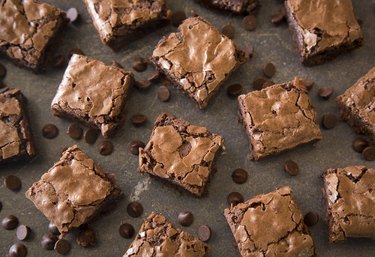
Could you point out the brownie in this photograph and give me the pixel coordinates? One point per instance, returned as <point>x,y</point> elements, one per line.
<point>278,118</point>
<point>73,191</point>
<point>26,30</point>
<point>93,93</point>
<point>158,237</point>
<point>180,153</point>
<point>197,59</point>
<point>235,6</point>
<point>121,21</point>
<point>323,29</point>
<point>357,105</point>
<point>270,225</point>
<point>350,195</point>
<point>16,140</point>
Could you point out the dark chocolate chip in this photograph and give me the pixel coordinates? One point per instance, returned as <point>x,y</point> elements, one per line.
<point>1,205</point>
<point>291,168</point>
<point>59,61</point>
<point>235,198</point>
<point>116,64</point>
<point>185,218</point>
<point>177,18</point>
<point>2,84</point>
<point>325,92</point>
<point>204,233</point>
<point>249,52</point>
<point>91,135</point>
<point>105,147</point>
<point>184,149</point>
<point>72,14</point>
<point>142,84</point>
<point>229,30</point>
<point>258,83</point>
<point>268,83</point>
<point>269,70</point>
<point>53,229</point>
<point>62,246</point>
<point>50,131</point>
<point>75,51</point>
<point>75,131</point>
<point>329,121</point>
<point>154,77</point>
<point>10,222</point>
<point>311,219</point>
<point>135,145</point>
<point>359,144</point>
<point>279,17</point>
<point>138,119</point>
<point>18,250</point>
<point>126,230</point>
<point>249,22</point>
<point>235,90</point>
<point>163,94</point>
<point>239,176</point>
<point>86,238</point>
<point>308,84</point>
<point>134,209</point>
<point>3,71</point>
<point>139,64</point>
<point>13,183</point>
<point>48,241</point>
<point>369,153</point>
<point>23,232</point>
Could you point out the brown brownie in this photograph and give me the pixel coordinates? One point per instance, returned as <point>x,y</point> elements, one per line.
<point>270,225</point>
<point>73,191</point>
<point>27,29</point>
<point>16,140</point>
<point>158,237</point>
<point>357,105</point>
<point>278,118</point>
<point>93,93</point>
<point>121,21</point>
<point>323,29</point>
<point>180,153</point>
<point>350,195</point>
<point>197,59</point>
<point>235,6</point>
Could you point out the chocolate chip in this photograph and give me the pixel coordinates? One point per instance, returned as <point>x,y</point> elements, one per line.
<point>235,198</point>
<point>329,121</point>
<point>50,131</point>
<point>163,94</point>
<point>10,222</point>
<point>311,219</point>
<point>204,233</point>
<point>18,250</point>
<point>258,83</point>
<point>177,18</point>
<point>134,209</point>
<point>91,135</point>
<point>229,30</point>
<point>105,147</point>
<point>249,22</point>
<point>75,131</point>
<point>53,229</point>
<point>2,84</point>
<point>23,232</point>
<point>1,205</point>
<point>86,238</point>
<point>268,83</point>
<point>139,64</point>
<point>369,153</point>
<point>249,52</point>
<point>62,246</point>
<point>184,149</point>
<point>291,168</point>
<point>3,71</point>
<point>138,119</point>
<point>239,176</point>
<point>13,183</point>
<point>135,145</point>
<point>59,61</point>
<point>48,241</point>
<point>359,144</point>
<point>235,90</point>
<point>116,64</point>
<point>72,14</point>
<point>154,77</point>
<point>126,230</point>
<point>75,51</point>
<point>142,84</point>
<point>325,92</point>
<point>279,16</point>
<point>185,218</point>
<point>269,70</point>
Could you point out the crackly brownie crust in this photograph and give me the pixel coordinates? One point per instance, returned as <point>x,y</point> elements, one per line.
<point>278,118</point>
<point>357,105</point>
<point>270,225</point>
<point>27,29</point>
<point>93,93</point>
<point>180,153</point>
<point>350,195</point>
<point>321,39</point>
<point>119,22</point>
<point>235,6</point>
<point>73,191</point>
<point>16,140</point>
<point>197,59</point>
<point>158,237</point>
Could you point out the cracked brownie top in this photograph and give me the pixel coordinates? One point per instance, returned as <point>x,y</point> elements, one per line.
<point>236,6</point>
<point>350,194</point>
<point>270,225</point>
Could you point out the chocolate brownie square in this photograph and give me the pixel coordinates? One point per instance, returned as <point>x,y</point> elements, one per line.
<point>357,105</point>
<point>93,93</point>
<point>158,237</point>
<point>278,118</point>
<point>27,29</point>
<point>350,195</point>
<point>323,29</point>
<point>235,6</point>
<point>197,59</point>
<point>180,153</point>
<point>270,225</point>
<point>16,140</point>
<point>73,191</point>
<point>121,21</point>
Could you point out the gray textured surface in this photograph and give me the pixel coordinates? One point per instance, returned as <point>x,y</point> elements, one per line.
<point>272,44</point>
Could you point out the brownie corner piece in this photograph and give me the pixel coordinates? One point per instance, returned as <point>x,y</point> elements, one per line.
<point>321,39</point>
<point>197,59</point>
<point>357,105</point>
<point>278,118</point>
<point>16,139</point>
<point>350,197</point>
<point>234,6</point>
<point>277,211</point>
<point>180,153</point>
<point>73,191</point>
<point>158,237</point>
<point>93,93</point>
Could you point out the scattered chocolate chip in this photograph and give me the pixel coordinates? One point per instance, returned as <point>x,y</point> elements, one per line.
<point>239,176</point>
<point>258,83</point>
<point>135,145</point>
<point>229,30</point>
<point>311,219</point>
<point>126,230</point>
<point>325,92</point>
<point>154,77</point>
<point>359,144</point>
<point>75,51</point>
<point>58,61</point>
<point>204,233</point>
<point>2,84</point>
<point>116,64</point>
<point>268,83</point>
<point>291,168</point>
<point>3,71</point>
<point>23,232</point>
<point>91,135</point>
<point>134,209</point>
<point>75,131</point>
<point>18,250</point>
<point>163,94</point>
<point>193,13</point>
<point>50,131</point>
<point>10,222</point>
<point>235,198</point>
<point>142,84</point>
<point>53,229</point>
<point>138,119</point>
<point>177,18</point>
<point>86,238</point>
<point>1,205</point>
<point>72,14</point>
<point>139,64</point>
<point>185,218</point>
<point>13,183</point>
<point>105,147</point>
<point>48,241</point>
<point>249,52</point>
<point>369,153</point>
<point>279,16</point>
<point>252,7</point>
<point>235,90</point>
<point>308,83</point>
<point>269,70</point>
<point>249,22</point>
<point>329,121</point>
<point>62,246</point>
